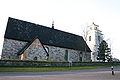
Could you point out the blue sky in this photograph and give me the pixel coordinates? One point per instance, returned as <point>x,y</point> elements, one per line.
<point>68,15</point>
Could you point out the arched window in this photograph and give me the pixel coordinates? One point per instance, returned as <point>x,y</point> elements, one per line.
<point>47,49</point>
<point>89,38</point>
<point>80,59</point>
<point>80,56</point>
<point>66,55</point>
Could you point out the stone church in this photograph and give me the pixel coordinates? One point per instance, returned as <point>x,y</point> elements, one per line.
<point>28,41</point>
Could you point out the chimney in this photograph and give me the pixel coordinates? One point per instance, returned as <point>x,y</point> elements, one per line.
<point>52,24</point>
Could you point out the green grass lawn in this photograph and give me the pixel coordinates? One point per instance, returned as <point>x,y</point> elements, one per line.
<point>45,69</point>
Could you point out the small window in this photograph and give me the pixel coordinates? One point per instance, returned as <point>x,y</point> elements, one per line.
<point>47,49</point>
<point>9,57</point>
<point>80,56</point>
<point>66,55</point>
<point>80,52</point>
<point>89,38</point>
<point>80,59</point>
<point>35,58</point>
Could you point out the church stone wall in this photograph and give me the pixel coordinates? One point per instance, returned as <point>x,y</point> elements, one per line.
<point>11,48</point>
<point>55,53</point>
<point>58,54</point>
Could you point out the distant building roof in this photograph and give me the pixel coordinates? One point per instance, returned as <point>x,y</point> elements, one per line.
<point>26,31</point>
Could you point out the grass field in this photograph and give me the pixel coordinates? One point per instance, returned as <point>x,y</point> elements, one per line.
<point>45,69</point>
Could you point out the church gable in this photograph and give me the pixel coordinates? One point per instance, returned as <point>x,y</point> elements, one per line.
<point>34,51</point>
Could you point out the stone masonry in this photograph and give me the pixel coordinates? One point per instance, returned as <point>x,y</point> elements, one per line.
<point>11,48</point>
<point>37,51</point>
<point>58,54</point>
<point>34,52</point>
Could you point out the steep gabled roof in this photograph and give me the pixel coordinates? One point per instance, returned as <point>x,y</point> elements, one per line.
<point>28,45</point>
<point>26,31</point>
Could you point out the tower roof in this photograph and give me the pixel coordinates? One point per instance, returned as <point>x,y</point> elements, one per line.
<point>95,24</point>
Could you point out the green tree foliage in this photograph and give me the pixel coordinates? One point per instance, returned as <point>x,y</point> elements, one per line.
<point>104,53</point>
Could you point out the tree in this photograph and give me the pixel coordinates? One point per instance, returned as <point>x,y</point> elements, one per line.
<point>85,34</point>
<point>108,55</point>
<point>104,53</point>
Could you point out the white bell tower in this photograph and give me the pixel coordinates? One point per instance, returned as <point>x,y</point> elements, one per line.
<point>94,38</point>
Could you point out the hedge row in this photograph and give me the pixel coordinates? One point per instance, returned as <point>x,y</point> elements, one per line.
<point>51,63</point>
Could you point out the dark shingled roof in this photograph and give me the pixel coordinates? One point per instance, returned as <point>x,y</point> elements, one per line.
<point>26,31</point>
